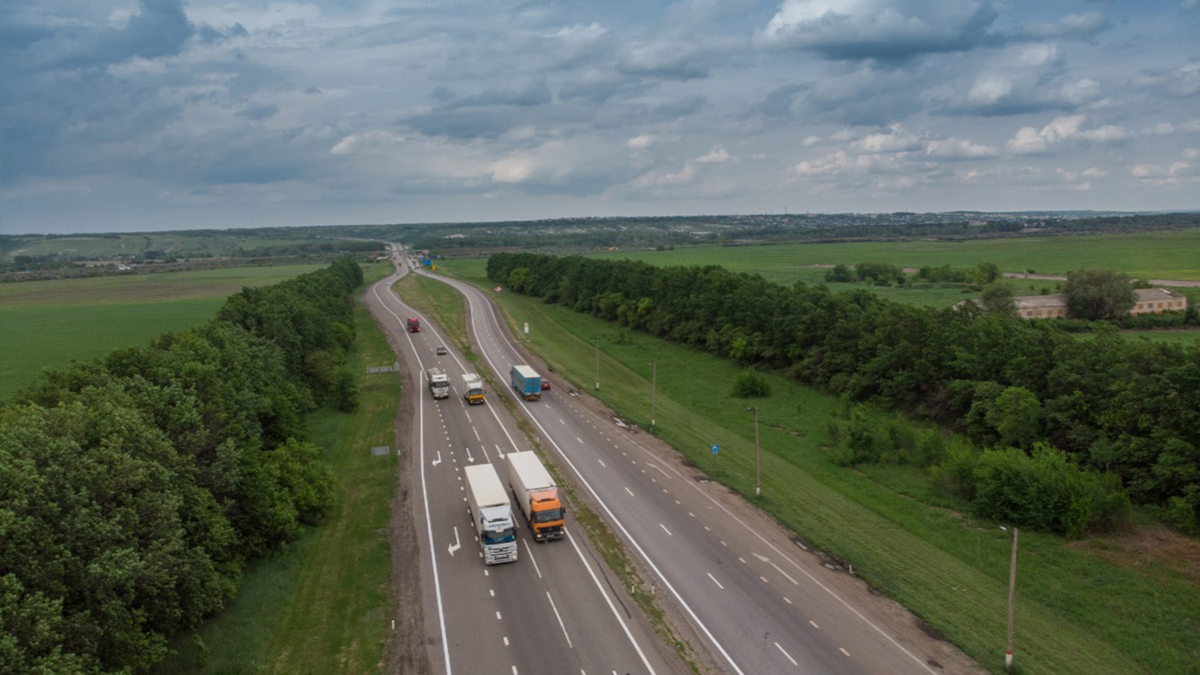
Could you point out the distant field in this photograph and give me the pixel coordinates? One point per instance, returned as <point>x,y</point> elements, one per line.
<point>158,287</point>
<point>1158,255</point>
<point>46,324</point>
<point>182,244</point>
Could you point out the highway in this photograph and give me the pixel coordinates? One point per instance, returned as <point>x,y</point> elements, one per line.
<point>556,609</point>
<point>758,602</point>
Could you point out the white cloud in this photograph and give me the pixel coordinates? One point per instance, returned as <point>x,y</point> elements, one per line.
<point>1029,140</point>
<point>369,141</point>
<point>896,139</point>
<point>990,89</point>
<point>717,155</point>
<point>960,148</point>
<point>640,142</point>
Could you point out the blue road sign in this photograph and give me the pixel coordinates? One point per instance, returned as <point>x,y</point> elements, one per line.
<point>716,448</point>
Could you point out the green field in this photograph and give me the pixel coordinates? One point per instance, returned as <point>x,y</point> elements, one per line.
<point>179,244</point>
<point>1119,604</point>
<point>1156,255</point>
<point>321,604</point>
<point>46,324</point>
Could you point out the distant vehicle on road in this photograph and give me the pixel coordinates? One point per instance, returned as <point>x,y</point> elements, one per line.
<point>414,325</point>
<point>545,384</point>
<point>441,350</point>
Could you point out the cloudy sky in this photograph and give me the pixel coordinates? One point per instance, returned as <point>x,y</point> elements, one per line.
<point>166,114</point>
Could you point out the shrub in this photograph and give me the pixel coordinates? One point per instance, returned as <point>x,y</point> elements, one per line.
<point>1043,491</point>
<point>751,384</point>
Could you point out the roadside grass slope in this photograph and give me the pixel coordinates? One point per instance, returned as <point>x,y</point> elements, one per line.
<point>1080,610</point>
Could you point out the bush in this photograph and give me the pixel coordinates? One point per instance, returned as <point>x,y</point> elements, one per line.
<point>1044,491</point>
<point>751,384</point>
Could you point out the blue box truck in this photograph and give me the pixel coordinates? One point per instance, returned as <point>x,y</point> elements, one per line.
<point>526,382</point>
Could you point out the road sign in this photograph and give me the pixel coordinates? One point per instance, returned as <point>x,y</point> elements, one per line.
<point>716,448</point>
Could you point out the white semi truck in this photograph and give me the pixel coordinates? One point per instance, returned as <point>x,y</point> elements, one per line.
<point>439,383</point>
<point>492,513</point>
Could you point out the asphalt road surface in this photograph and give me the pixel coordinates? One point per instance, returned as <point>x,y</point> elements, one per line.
<point>554,610</point>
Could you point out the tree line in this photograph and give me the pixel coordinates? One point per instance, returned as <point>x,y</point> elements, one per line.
<point>1110,406</point>
<point>135,488</point>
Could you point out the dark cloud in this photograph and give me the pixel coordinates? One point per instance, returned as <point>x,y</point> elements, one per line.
<point>1070,27</point>
<point>887,31</point>
<point>258,112</point>
<point>160,28</point>
<point>666,62</point>
<point>778,103</point>
<point>465,123</point>
<point>532,94</point>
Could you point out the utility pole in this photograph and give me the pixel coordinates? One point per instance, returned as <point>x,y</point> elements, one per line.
<point>757,474</point>
<point>1012,592</point>
<point>596,339</point>
<point>653,391</point>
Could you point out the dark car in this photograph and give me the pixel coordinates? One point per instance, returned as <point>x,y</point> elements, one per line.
<point>441,349</point>
<point>545,385</point>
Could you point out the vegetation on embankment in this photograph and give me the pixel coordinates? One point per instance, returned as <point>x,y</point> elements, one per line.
<point>136,488</point>
<point>1119,603</point>
<point>320,604</point>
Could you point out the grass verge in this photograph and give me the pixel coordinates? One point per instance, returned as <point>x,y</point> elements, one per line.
<point>320,605</point>
<point>1097,606</point>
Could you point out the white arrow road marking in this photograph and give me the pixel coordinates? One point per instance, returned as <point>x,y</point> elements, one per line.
<point>768,561</point>
<point>456,545</point>
<point>655,466</point>
<point>499,452</point>
<point>469,457</point>
<point>439,458</point>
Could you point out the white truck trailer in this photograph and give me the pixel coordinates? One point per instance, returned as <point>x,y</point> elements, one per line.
<point>537,494</point>
<point>492,513</point>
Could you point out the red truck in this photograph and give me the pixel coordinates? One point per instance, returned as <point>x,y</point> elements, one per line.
<point>414,326</point>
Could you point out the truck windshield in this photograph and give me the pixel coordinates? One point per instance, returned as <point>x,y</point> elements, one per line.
<point>547,516</point>
<point>499,536</point>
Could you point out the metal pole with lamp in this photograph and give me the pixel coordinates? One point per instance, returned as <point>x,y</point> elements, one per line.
<point>757,474</point>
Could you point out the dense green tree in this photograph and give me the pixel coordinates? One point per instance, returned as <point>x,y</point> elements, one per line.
<point>1122,406</point>
<point>1098,294</point>
<point>997,298</point>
